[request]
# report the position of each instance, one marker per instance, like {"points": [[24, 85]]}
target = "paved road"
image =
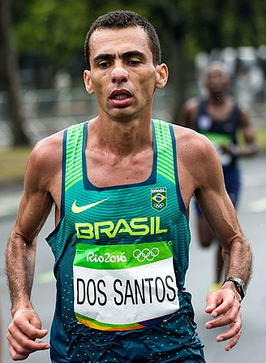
{"points": [[252, 215]]}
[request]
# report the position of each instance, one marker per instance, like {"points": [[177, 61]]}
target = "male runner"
{"points": [[220, 119], [121, 185]]}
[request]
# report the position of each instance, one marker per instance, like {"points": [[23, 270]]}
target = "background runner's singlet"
{"points": [[220, 132]]}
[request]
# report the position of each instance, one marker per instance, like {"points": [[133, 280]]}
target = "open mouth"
{"points": [[120, 98]]}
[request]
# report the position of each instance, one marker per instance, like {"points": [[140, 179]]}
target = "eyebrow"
{"points": [[134, 53], [126, 55]]}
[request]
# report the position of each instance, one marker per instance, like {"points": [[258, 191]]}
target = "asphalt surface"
{"points": [[252, 216]]}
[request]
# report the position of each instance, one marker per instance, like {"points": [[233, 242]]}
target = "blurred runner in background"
{"points": [[220, 119]]}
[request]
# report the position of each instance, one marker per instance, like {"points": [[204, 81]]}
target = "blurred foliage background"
{"points": [[40, 38]]}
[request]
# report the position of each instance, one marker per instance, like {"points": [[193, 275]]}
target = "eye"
{"points": [[134, 62], [103, 64]]}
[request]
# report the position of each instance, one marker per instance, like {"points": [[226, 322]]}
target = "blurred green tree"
{"points": [[51, 29], [9, 70], [52, 32]]}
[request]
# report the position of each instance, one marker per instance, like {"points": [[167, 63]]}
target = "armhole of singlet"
{"points": [[62, 202], [201, 111], [236, 116], [178, 192], [202, 107]]}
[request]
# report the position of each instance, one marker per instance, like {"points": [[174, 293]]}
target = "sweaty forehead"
{"points": [[110, 41]]}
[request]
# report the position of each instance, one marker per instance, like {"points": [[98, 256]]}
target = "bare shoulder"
{"points": [[191, 104], [192, 144], [45, 161], [48, 151], [189, 113], [196, 156]]}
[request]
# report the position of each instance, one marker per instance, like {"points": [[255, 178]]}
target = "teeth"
{"points": [[120, 97]]}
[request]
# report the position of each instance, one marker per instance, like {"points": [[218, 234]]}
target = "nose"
{"points": [[119, 75]]}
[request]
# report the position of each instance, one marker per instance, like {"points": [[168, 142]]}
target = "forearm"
{"points": [[20, 266], [238, 259], [244, 151]]}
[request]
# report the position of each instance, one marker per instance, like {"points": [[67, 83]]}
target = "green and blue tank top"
{"points": [[220, 132], [121, 255]]}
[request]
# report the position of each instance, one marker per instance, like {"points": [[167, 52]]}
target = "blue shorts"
{"points": [[175, 340], [232, 182], [137, 352]]}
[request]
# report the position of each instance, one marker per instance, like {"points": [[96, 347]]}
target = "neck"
{"points": [[217, 99], [120, 138]]}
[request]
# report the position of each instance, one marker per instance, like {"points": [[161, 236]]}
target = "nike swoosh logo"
{"points": [[76, 209]]}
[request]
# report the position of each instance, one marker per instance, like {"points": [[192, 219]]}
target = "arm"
{"points": [[200, 173], [34, 208], [224, 305], [221, 215], [249, 148]]}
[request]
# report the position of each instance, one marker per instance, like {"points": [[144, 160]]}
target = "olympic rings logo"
{"points": [[146, 254], [159, 205]]}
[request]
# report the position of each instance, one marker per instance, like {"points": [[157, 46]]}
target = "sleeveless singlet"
{"points": [[220, 132], [121, 255]]}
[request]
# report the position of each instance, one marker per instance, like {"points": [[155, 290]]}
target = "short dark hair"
{"points": [[122, 19]]}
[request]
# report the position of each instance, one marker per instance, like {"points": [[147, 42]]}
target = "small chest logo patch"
{"points": [[158, 198], [204, 122]]}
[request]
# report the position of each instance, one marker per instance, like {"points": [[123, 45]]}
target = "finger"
{"points": [[18, 352], [230, 315], [227, 305], [211, 302], [219, 322], [232, 342], [35, 321], [234, 334], [15, 355], [219, 302], [22, 344], [235, 329], [28, 329]]}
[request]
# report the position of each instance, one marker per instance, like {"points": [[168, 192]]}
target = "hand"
{"points": [[23, 331], [229, 149], [224, 305]]}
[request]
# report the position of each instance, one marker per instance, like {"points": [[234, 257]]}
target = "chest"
{"points": [[126, 213], [219, 113], [109, 170], [222, 120]]}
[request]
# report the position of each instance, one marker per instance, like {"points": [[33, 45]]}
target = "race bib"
{"points": [[124, 287]]}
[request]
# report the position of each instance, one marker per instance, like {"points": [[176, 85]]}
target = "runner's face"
{"points": [[217, 81], [122, 75]]}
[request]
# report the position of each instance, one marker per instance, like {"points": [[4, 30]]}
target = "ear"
{"points": [[161, 75], [87, 81]]}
